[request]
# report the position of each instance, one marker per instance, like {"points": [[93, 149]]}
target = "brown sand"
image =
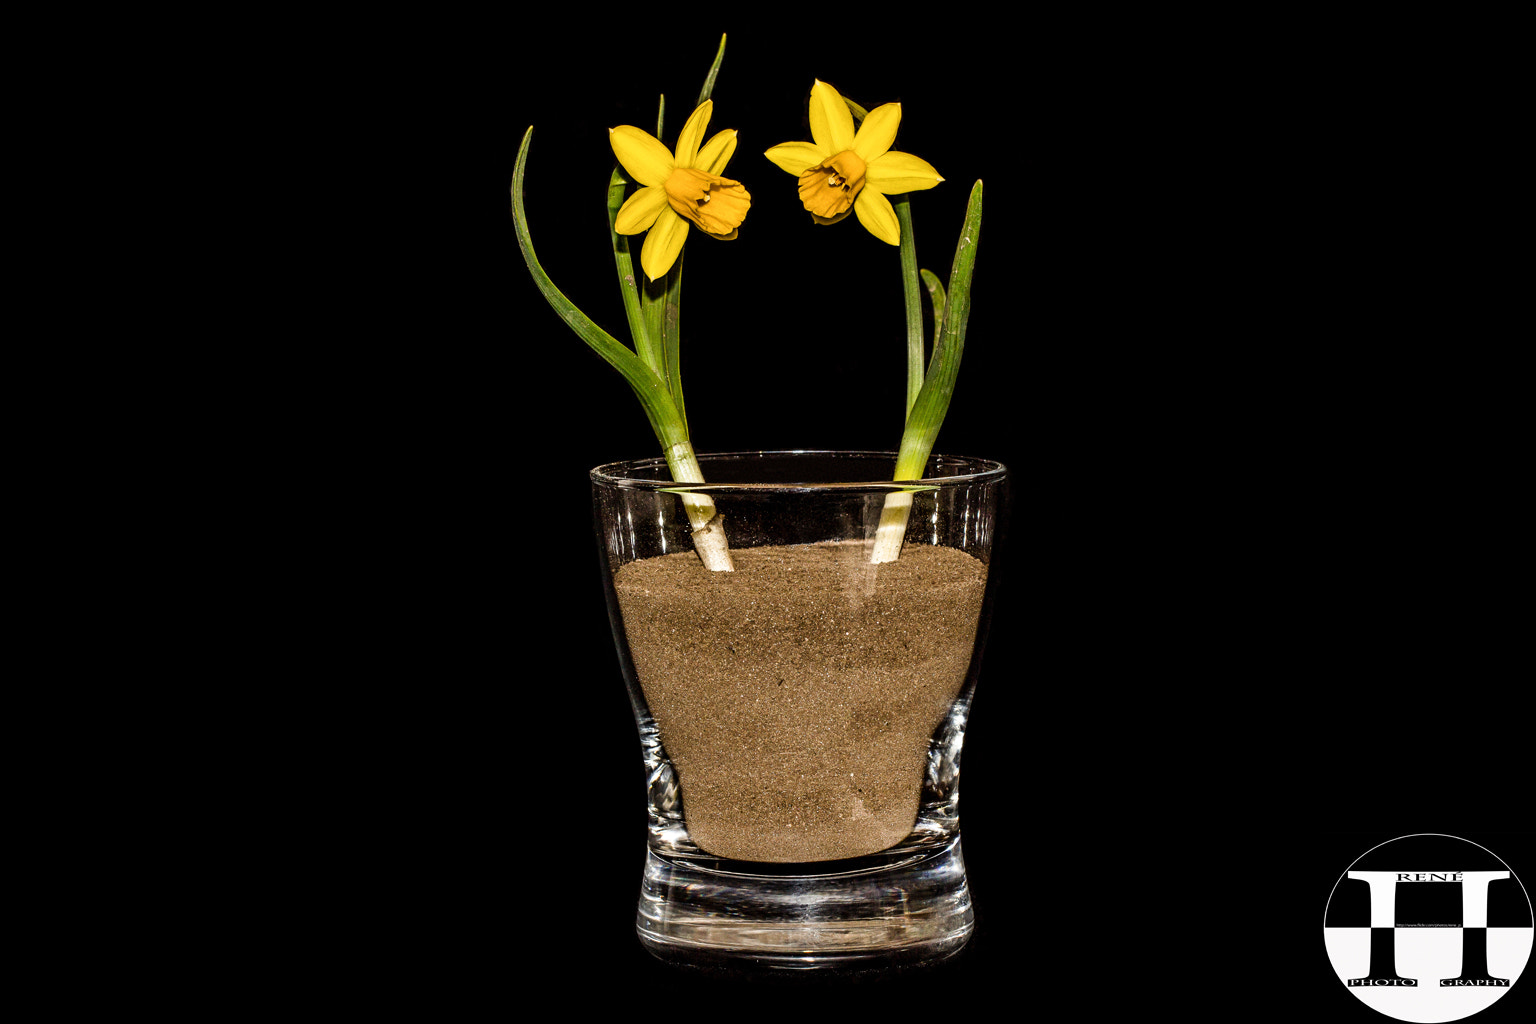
{"points": [[796, 696]]}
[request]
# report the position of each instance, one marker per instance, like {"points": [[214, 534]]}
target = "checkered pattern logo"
{"points": [[1428, 928]]}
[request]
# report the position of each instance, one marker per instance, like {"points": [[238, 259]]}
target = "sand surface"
{"points": [[796, 696]]}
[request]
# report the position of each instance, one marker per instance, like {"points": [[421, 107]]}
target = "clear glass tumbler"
{"points": [[801, 716]]}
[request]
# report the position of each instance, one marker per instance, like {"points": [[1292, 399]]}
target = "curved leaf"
{"points": [[933, 401], [648, 387]]}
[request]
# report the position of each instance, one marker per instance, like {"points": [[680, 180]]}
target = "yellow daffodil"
{"points": [[845, 169], [677, 188]]}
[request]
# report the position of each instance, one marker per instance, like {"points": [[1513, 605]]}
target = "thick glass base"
{"points": [[909, 908]]}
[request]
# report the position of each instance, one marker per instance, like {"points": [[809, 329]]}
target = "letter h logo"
{"points": [[1474, 926]]}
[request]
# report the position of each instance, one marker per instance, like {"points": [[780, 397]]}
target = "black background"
{"points": [[1241, 604]]}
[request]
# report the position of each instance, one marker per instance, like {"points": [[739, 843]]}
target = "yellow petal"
{"points": [[716, 205], [876, 213], [693, 134], [828, 189], [831, 123], [663, 243], [717, 152], [831, 220], [641, 153], [795, 157], [901, 172], [878, 131], [639, 210]]}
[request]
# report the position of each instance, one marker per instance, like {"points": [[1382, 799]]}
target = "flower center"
{"points": [[829, 188], [717, 205]]}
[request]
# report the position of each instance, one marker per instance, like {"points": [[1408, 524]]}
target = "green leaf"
{"points": [[936, 298], [714, 69], [648, 387], [660, 303], [932, 404]]}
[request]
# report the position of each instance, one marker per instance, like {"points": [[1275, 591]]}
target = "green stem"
{"points": [[935, 298], [708, 535], [660, 303], [914, 302], [671, 337], [653, 293], [646, 346]]}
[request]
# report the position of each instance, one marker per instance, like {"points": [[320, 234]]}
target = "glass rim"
{"points": [[616, 474]]}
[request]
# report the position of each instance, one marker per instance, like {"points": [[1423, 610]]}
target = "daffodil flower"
{"points": [[845, 169], [678, 188]]}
